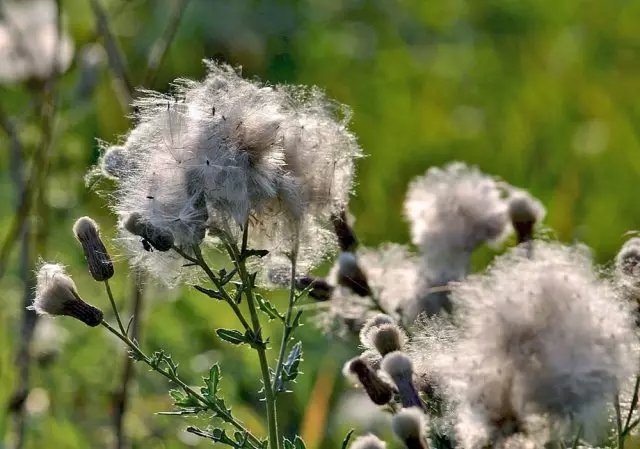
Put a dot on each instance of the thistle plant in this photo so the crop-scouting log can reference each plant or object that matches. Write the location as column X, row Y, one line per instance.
column 523, row 354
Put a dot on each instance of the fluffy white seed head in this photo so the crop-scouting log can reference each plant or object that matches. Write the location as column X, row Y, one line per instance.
column 398, row 365
column 226, row 152
column 453, row 210
column 56, row 294
column 410, row 424
column 541, row 336
column 30, row 47
column 524, row 208
column 368, row 442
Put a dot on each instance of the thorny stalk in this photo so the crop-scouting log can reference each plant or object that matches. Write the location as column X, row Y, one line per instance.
column 238, row 257
column 138, row 354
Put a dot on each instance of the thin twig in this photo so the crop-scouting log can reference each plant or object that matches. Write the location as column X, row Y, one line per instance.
column 634, row 403
column 163, row 43
column 619, row 432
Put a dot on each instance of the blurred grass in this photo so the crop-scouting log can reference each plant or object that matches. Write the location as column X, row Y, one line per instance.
column 539, row 92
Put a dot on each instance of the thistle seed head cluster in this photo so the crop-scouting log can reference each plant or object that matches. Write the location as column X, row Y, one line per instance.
column 540, row 336
column 228, row 152
column 410, row 426
column 56, row 294
column 452, row 211
column 30, row 47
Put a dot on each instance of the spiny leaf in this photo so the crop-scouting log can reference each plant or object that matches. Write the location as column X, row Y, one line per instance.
column 268, row 308
column 232, row 336
column 298, row 443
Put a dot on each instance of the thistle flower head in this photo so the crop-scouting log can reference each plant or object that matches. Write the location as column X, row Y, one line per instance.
column 410, row 425
column 226, row 153
column 30, row 47
column 88, row 234
column 399, row 367
column 379, row 391
column 368, row 442
column 56, row 294
column 384, row 337
column 540, row 336
column 114, row 162
column 453, row 210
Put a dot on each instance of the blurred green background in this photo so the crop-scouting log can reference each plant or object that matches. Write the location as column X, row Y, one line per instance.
column 539, row 92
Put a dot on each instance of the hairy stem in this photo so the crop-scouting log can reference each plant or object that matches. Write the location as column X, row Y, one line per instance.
column 288, row 329
column 140, row 355
column 113, row 306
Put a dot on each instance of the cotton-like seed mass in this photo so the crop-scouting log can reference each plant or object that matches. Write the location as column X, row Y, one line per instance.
column 628, row 260
column 368, row 442
column 452, row 211
column 392, row 275
column 226, row 153
column 30, row 48
column 541, row 336
column 410, row 425
column 56, row 294
column 400, row 368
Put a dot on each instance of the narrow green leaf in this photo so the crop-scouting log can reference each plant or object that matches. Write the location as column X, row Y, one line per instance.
column 347, row 438
column 299, row 443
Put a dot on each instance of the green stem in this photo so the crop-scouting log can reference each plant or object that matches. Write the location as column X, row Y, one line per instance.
column 286, row 334
column 114, row 307
column 239, row 260
column 173, row 378
column 634, row 402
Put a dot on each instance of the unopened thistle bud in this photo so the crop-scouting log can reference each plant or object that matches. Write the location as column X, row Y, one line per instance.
column 320, row 290
column 399, row 367
column 346, row 237
column 368, row 442
column 56, row 294
column 114, row 162
column 524, row 211
column 160, row 239
column 88, row 234
column 350, row 274
column 409, row 425
column 379, row 391
column 387, row 338
column 372, row 323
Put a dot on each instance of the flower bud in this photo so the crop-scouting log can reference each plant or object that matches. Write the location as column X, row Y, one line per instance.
column 114, row 162
column 409, row 425
column 372, row 323
column 88, row 234
column 346, row 236
column 320, row 290
column 56, row 294
column 379, row 391
column 368, row 442
column 399, row 367
column 524, row 211
column 350, row 274
column 387, row 338
column 160, row 239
